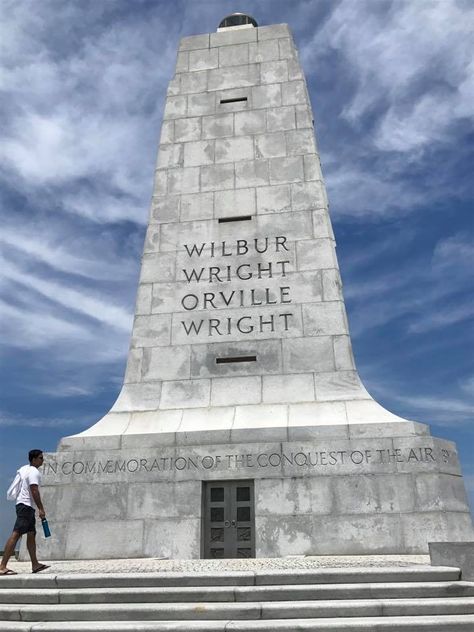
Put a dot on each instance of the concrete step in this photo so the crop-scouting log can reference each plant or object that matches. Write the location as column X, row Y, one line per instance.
column 229, row 611
column 448, row 623
column 306, row 592
column 244, row 578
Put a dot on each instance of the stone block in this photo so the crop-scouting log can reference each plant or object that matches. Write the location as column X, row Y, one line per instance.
column 270, row 145
column 175, row 107
column 217, row 177
column 233, row 55
column 174, row 86
column 166, row 297
column 201, row 104
column 234, row 149
column 166, row 363
column 267, row 50
column 364, row 411
column 344, row 358
column 196, row 206
column 157, row 267
column 233, row 77
column 368, row 494
column 165, row 208
column 234, row 36
column 185, row 394
column 440, row 492
column 293, row 225
column 273, row 31
column 182, row 62
column 273, row 199
column 274, row 71
column 318, row 414
column 212, row 420
column 268, row 353
column 161, row 500
column 281, row 119
column 458, row 554
column 283, row 170
column 304, row 287
column 288, row 388
column 419, row 528
column 203, row 59
column 260, row 416
column 152, row 331
column 167, row 132
column 199, row 152
column 287, row 48
column 134, row 365
column 227, row 391
column 137, row 397
column 312, row 168
column 187, row 129
column 266, row 96
column 125, row 536
column 191, row 82
column 194, row 42
column 252, row 173
column 170, row 156
column 159, row 423
column 308, row 195
column 234, row 202
column 324, row 319
column 160, row 184
column 294, row 93
column 332, row 284
column 304, row 116
column 294, row 70
column 316, row 254
column 300, row 141
column 183, row 180
column 308, row 354
column 322, row 225
column 152, row 238
column 143, row 302
column 218, row 126
column 172, row 538
column 174, row 236
column 293, row 496
column 251, row 122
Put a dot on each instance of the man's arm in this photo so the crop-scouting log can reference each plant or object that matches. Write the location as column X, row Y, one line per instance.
column 35, row 494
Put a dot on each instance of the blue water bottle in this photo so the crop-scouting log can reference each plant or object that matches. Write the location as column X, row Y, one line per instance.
column 47, row 532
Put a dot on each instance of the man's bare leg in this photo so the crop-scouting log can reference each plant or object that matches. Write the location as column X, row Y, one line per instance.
column 31, row 546
column 9, row 550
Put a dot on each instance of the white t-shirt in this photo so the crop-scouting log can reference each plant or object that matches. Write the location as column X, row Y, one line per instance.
column 29, row 476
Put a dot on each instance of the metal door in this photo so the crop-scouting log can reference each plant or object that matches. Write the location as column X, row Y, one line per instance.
column 229, row 525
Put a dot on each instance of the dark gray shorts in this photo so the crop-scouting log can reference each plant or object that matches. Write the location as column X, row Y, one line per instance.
column 25, row 519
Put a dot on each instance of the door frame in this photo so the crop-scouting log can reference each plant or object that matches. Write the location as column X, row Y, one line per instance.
column 205, row 528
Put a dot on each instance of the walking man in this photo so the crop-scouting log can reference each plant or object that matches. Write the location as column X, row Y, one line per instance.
column 28, row 493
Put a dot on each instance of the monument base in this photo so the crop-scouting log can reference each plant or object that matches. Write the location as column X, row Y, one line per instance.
column 347, row 489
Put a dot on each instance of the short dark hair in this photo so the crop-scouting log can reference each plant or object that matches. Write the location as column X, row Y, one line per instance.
column 34, row 454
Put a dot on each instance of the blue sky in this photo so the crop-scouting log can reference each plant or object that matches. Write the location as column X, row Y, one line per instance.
column 82, row 91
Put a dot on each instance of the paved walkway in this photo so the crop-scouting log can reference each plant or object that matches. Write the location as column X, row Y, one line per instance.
column 154, row 565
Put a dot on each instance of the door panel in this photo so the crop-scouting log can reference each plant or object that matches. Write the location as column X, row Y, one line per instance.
column 229, row 530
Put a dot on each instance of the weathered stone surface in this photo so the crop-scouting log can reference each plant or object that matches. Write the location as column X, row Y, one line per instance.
column 240, row 366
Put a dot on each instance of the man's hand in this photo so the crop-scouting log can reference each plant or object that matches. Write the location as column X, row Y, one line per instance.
column 41, row 514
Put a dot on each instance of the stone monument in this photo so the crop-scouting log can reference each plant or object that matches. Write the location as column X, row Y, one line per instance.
column 242, row 428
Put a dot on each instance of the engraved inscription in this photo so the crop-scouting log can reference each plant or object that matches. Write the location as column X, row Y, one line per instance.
column 197, row 274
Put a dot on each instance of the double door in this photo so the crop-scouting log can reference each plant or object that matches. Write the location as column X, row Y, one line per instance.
column 229, row 523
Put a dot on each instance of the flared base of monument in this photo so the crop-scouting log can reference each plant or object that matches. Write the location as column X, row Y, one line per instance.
column 375, row 490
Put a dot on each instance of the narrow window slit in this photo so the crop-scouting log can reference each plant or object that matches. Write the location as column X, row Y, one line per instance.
column 237, row 218
column 235, row 100
column 232, row 359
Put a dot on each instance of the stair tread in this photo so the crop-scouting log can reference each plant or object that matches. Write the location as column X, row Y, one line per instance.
column 439, row 623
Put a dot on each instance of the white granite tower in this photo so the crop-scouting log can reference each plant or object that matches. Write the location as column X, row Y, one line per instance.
column 242, row 427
